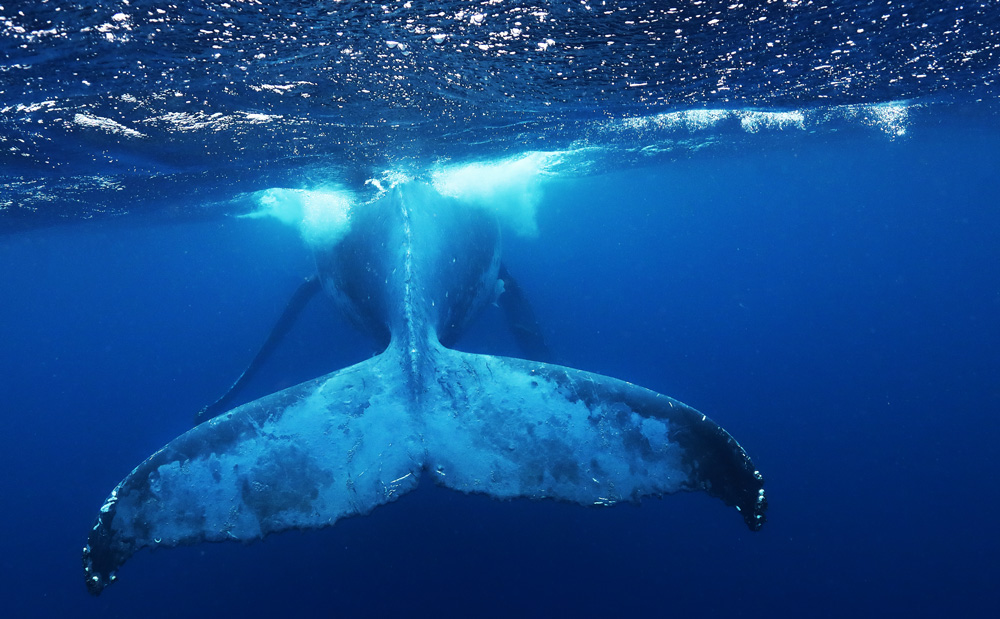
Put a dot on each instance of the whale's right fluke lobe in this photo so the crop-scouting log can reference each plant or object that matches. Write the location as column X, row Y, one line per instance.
column 514, row 428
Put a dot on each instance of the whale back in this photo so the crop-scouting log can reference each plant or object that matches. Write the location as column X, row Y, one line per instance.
column 413, row 261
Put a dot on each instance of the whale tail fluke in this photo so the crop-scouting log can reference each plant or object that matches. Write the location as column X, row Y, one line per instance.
column 304, row 457
column 344, row 443
column 514, row 428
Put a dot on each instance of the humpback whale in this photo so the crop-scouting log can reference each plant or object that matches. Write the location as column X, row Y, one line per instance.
column 413, row 270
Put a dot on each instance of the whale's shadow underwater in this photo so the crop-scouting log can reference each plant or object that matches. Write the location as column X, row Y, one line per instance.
column 413, row 270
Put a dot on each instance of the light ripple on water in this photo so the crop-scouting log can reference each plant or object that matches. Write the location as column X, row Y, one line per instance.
column 105, row 109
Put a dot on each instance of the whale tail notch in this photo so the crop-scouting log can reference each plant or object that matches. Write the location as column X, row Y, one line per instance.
column 344, row 443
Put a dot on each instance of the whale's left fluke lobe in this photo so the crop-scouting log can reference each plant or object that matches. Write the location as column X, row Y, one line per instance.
column 301, row 458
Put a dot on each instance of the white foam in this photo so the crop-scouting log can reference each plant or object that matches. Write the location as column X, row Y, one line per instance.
column 691, row 120
column 322, row 216
column 753, row 121
column 105, row 124
column 891, row 117
column 511, row 188
column 388, row 179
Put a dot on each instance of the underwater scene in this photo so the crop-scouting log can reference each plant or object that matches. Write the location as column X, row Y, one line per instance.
column 493, row 308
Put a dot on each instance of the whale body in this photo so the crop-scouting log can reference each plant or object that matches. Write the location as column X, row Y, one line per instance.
column 412, row 271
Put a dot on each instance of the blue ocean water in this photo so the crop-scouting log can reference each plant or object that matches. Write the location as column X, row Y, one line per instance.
column 811, row 259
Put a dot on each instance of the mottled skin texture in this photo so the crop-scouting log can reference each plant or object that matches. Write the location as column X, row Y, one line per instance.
column 413, row 269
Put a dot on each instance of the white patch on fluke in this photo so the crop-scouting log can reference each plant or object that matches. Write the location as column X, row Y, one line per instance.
column 511, row 188
column 322, row 216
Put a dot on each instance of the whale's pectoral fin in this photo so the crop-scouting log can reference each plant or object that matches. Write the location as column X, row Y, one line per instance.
column 301, row 458
column 514, row 428
column 303, row 294
column 521, row 318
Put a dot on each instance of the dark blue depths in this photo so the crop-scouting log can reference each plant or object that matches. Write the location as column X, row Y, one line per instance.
column 831, row 301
